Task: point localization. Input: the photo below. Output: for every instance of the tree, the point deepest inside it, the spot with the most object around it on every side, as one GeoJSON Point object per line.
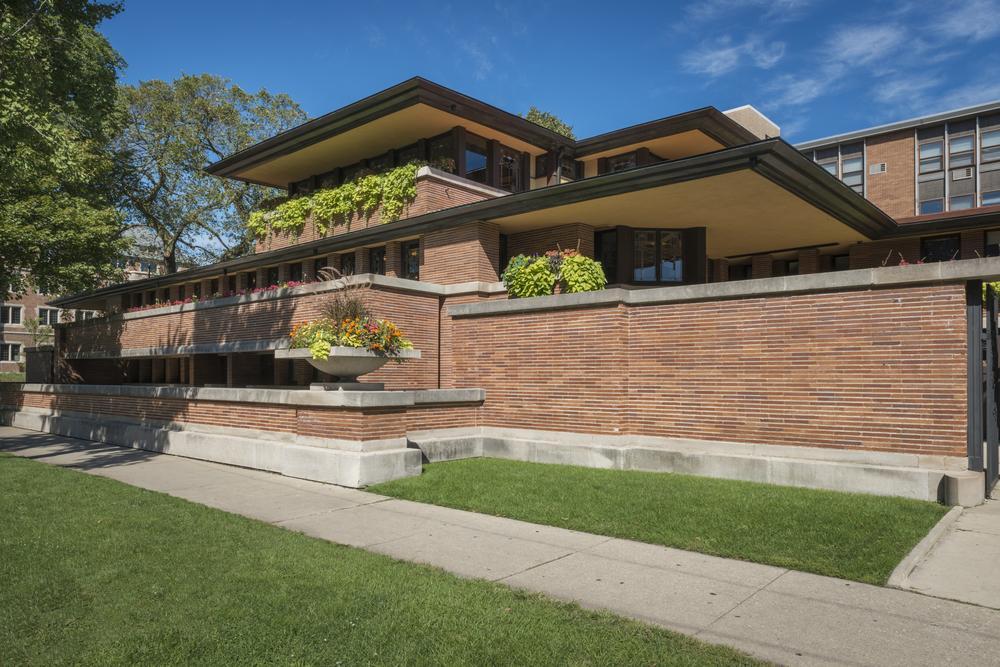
{"type": "Point", "coordinates": [549, 121]}
{"type": "Point", "coordinates": [172, 130]}
{"type": "Point", "coordinates": [59, 231]}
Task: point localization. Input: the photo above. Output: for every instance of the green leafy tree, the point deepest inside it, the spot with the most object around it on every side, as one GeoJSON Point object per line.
{"type": "Point", "coordinates": [59, 231]}
{"type": "Point", "coordinates": [549, 121]}
{"type": "Point", "coordinates": [172, 130]}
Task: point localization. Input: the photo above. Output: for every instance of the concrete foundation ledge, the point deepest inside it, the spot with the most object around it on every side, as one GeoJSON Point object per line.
{"type": "Point", "coordinates": [887, 474]}
{"type": "Point", "coordinates": [334, 461]}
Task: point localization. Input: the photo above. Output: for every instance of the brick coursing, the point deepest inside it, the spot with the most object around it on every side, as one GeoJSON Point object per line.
{"type": "Point", "coordinates": [537, 241]}
{"type": "Point", "coordinates": [892, 191]}
{"type": "Point", "coordinates": [467, 253]}
{"type": "Point", "coordinates": [880, 370]}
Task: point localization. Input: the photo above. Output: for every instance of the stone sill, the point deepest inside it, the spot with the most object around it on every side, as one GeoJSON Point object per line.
{"type": "Point", "coordinates": [986, 269]}
{"type": "Point", "coordinates": [302, 397]}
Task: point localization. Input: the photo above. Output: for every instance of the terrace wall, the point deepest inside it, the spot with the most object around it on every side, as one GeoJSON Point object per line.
{"type": "Point", "coordinates": [877, 369]}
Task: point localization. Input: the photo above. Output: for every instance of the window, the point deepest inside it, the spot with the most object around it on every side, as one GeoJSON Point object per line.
{"type": "Point", "coordinates": [137, 300]}
{"type": "Point", "coordinates": [151, 297]}
{"type": "Point", "coordinates": [961, 151]}
{"type": "Point", "coordinates": [164, 294]}
{"type": "Point", "coordinates": [931, 206]}
{"type": "Point", "coordinates": [214, 285]}
{"type": "Point", "coordinates": [348, 264]}
{"type": "Point", "coordinates": [196, 290]}
{"type": "Point", "coordinates": [48, 316]}
{"type": "Point", "coordinates": [441, 152]}
{"type": "Point", "coordinates": [504, 252]}
{"type": "Point", "coordinates": [991, 198]}
{"type": "Point", "coordinates": [930, 157]}
{"type": "Point", "coordinates": [740, 271]}
{"type": "Point", "coordinates": [232, 284]}
{"type": "Point", "coordinates": [621, 163]}
{"type": "Point", "coordinates": [961, 202]}
{"type": "Point", "coordinates": [512, 177]}
{"type": "Point", "coordinates": [475, 158]}
{"type": "Point", "coordinates": [606, 252]}
{"type": "Point", "coordinates": [295, 272]}
{"type": "Point", "coordinates": [854, 173]}
{"type": "Point", "coordinates": [791, 267]}
{"type": "Point", "coordinates": [82, 315]}
{"type": "Point", "coordinates": [840, 262]}
{"type": "Point", "coordinates": [271, 276]}
{"type": "Point", "coordinates": [411, 259]}
{"type": "Point", "coordinates": [845, 162]}
{"type": "Point", "coordinates": [318, 265]}
{"type": "Point", "coordinates": [376, 261]}
{"type": "Point", "coordinates": [10, 314]}
{"type": "Point", "coordinates": [940, 248]}
{"type": "Point", "coordinates": [657, 256]}
{"type": "Point", "coordinates": [990, 143]}
{"type": "Point", "coordinates": [181, 292]}
{"type": "Point", "coordinates": [993, 243]}
{"type": "Point", "coordinates": [10, 352]}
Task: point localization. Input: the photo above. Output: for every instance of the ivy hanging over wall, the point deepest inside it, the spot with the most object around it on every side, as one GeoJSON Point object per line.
{"type": "Point", "coordinates": [391, 191]}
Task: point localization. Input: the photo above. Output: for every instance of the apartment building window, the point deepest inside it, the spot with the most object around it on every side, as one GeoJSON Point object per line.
{"type": "Point", "coordinates": [829, 159]}
{"type": "Point", "coordinates": [930, 171]}
{"type": "Point", "coordinates": [10, 352]}
{"type": "Point", "coordinates": [940, 248]}
{"type": "Point", "coordinates": [48, 316]}
{"type": "Point", "coordinates": [657, 256]}
{"type": "Point", "coordinates": [410, 251]}
{"type": "Point", "coordinates": [846, 162]}
{"type": "Point", "coordinates": [348, 264]}
{"type": "Point", "coordinates": [10, 314]}
{"type": "Point", "coordinates": [989, 156]}
{"type": "Point", "coordinates": [376, 261]}
{"type": "Point", "coordinates": [295, 272]}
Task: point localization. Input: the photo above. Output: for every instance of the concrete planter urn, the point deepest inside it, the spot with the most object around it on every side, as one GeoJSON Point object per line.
{"type": "Point", "coordinates": [346, 363]}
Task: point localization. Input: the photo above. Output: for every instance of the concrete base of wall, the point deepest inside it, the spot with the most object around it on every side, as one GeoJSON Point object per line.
{"type": "Point", "coordinates": [343, 462]}
{"type": "Point", "coordinates": [932, 478]}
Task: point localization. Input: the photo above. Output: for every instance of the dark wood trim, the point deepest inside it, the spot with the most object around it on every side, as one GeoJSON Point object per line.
{"type": "Point", "coordinates": [974, 371]}
{"type": "Point", "coordinates": [458, 132]}
{"type": "Point", "coordinates": [708, 120]}
{"type": "Point", "coordinates": [492, 163]}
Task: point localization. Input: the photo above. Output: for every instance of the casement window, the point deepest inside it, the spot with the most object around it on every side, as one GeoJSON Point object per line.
{"type": "Point", "coordinates": [10, 352]}
{"type": "Point", "coordinates": [213, 285]}
{"type": "Point", "coordinates": [48, 316]}
{"type": "Point", "coordinates": [272, 275]}
{"type": "Point", "coordinates": [251, 279]}
{"type": "Point", "coordinates": [164, 295]}
{"type": "Point", "coordinates": [348, 264]}
{"type": "Point", "coordinates": [657, 256]}
{"type": "Point", "coordinates": [181, 292]}
{"type": "Point", "coordinates": [606, 252]}
{"type": "Point", "coordinates": [476, 158]}
{"type": "Point", "coordinates": [622, 162]}
{"type": "Point", "coordinates": [295, 272]}
{"type": "Point", "coordinates": [512, 176]}
{"type": "Point", "coordinates": [740, 271]}
{"type": "Point", "coordinates": [381, 163]}
{"type": "Point", "coordinates": [940, 248]}
{"type": "Point", "coordinates": [10, 314]}
{"type": "Point", "coordinates": [840, 262]}
{"type": "Point", "coordinates": [993, 243]}
{"type": "Point", "coordinates": [376, 261]}
{"type": "Point", "coordinates": [232, 284]}
{"type": "Point", "coordinates": [441, 152]}
{"type": "Point", "coordinates": [410, 251]}
{"type": "Point", "coordinates": [137, 300]}
{"type": "Point", "coordinates": [151, 296]}
{"type": "Point", "coordinates": [82, 315]}
{"type": "Point", "coordinates": [319, 264]}
{"type": "Point", "coordinates": [412, 153]}
{"type": "Point", "coordinates": [196, 290]}
{"type": "Point", "coordinates": [788, 267]}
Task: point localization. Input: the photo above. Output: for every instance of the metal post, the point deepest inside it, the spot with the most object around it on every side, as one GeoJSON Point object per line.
{"type": "Point", "coordinates": [974, 386]}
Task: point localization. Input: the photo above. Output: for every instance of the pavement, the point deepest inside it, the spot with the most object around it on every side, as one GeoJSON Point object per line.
{"type": "Point", "coordinates": [965, 563]}
{"type": "Point", "coordinates": [782, 615]}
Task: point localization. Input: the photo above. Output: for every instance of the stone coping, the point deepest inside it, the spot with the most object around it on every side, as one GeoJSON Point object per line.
{"type": "Point", "coordinates": [427, 171]}
{"type": "Point", "coordinates": [303, 397]}
{"type": "Point", "coordinates": [236, 346]}
{"type": "Point", "coordinates": [390, 282]}
{"type": "Point", "coordinates": [834, 281]}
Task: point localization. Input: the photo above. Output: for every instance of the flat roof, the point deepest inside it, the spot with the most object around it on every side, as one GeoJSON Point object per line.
{"type": "Point", "coordinates": [919, 121]}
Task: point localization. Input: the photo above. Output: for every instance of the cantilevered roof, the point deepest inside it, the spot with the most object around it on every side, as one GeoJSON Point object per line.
{"type": "Point", "coordinates": [418, 109]}
{"type": "Point", "coordinates": [751, 198]}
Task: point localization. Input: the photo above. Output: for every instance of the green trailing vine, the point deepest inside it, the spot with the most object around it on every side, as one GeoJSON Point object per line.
{"type": "Point", "coordinates": [391, 191]}
{"type": "Point", "coordinates": [534, 275]}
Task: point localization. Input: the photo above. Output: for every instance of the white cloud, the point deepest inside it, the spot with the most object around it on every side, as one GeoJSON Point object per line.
{"type": "Point", "coordinates": [974, 20]}
{"type": "Point", "coordinates": [863, 44]}
{"type": "Point", "coordinates": [482, 61]}
{"type": "Point", "coordinates": [770, 9]}
{"type": "Point", "coordinates": [376, 38]}
{"type": "Point", "coordinates": [723, 56]}
{"type": "Point", "coordinates": [905, 90]}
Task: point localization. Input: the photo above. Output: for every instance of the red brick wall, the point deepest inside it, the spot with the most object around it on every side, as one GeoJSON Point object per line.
{"type": "Point", "coordinates": [893, 191]}
{"type": "Point", "coordinates": [321, 422]}
{"type": "Point", "coordinates": [416, 314]}
{"type": "Point", "coordinates": [467, 253]}
{"type": "Point", "coordinates": [538, 241]}
{"type": "Point", "coordinates": [880, 370]}
{"type": "Point", "coordinates": [432, 195]}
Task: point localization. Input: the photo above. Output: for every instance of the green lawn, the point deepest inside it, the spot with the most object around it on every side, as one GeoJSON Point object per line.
{"type": "Point", "coordinates": [844, 535]}
{"type": "Point", "coordinates": [94, 571]}
{"type": "Point", "coordinates": [9, 376]}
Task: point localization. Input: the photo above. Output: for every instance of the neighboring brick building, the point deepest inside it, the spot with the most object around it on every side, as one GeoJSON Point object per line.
{"type": "Point", "coordinates": [873, 366]}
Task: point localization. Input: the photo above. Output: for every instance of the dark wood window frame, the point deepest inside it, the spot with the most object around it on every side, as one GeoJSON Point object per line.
{"type": "Point", "coordinates": [410, 251]}
{"type": "Point", "coordinates": [376, 260]}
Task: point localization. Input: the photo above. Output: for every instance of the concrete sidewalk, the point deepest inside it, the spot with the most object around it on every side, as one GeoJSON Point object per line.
{"type": "Point", "coordinates": [965, 563]}
{"type": "Point", "coordinates": [786, 616]}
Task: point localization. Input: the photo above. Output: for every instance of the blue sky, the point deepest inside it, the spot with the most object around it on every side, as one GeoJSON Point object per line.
{"type": "Point", "coordinates": [816, 68]}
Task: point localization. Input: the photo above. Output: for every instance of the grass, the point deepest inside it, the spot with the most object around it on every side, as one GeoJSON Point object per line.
{"type": "Point", "coordinates": [95, 571]}
{"type": "Point", "coordinates": [10, 376]}
{"type": "Point", "coordinates": [851, 536]}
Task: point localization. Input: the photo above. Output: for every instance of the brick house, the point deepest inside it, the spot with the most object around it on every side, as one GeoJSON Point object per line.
{"type": "Point", "coordinates": [758, 323]}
